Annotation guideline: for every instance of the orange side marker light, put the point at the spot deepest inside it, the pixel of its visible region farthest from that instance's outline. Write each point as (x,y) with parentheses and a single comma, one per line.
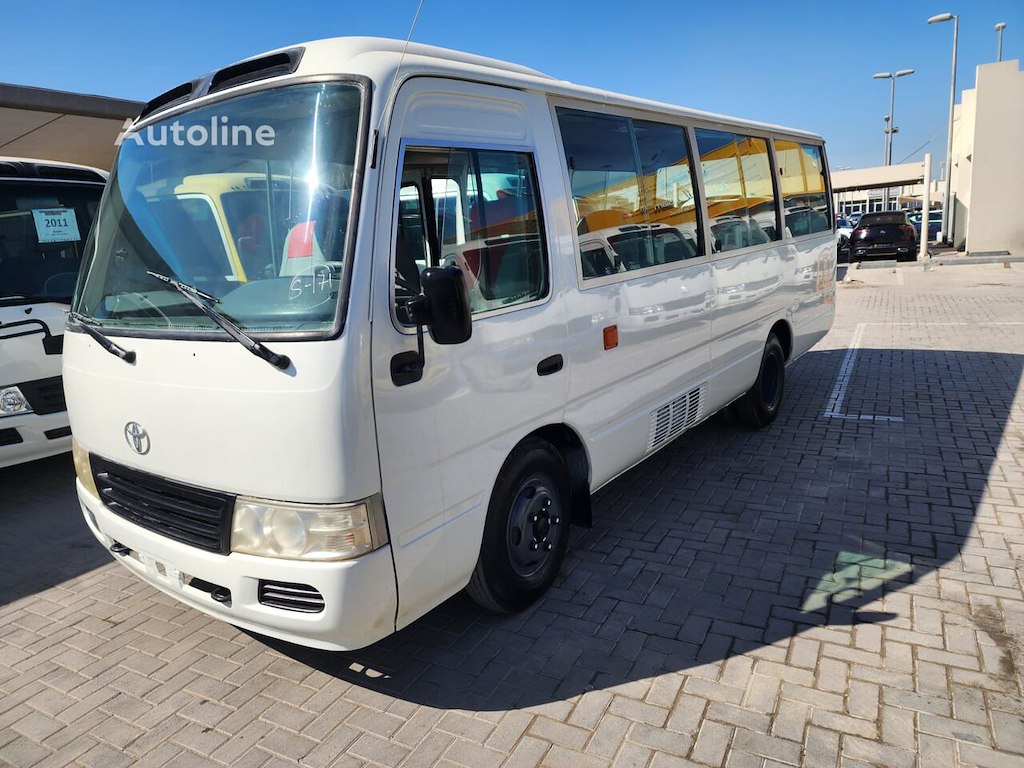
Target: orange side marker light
(611,337)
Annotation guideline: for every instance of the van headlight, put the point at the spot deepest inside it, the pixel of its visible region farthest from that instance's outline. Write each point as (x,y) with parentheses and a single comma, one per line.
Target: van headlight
(307,531)
(12,402)
(83,467)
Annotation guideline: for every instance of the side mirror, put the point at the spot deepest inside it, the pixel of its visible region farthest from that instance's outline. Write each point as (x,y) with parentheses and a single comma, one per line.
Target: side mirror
(443,306)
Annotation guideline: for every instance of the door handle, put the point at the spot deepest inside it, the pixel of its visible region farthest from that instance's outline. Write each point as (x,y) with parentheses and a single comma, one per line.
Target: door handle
(549,365)
(406,368)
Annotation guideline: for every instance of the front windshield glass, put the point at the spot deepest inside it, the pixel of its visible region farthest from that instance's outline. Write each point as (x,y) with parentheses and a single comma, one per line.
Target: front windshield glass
(247,200)
(43,226)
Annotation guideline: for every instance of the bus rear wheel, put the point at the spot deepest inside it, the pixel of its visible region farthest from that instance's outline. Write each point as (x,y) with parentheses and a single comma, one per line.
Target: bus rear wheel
(760,405)
(526,532)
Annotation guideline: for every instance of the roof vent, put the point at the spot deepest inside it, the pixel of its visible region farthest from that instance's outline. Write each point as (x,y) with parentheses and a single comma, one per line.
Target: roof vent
(260,68)
(174,96)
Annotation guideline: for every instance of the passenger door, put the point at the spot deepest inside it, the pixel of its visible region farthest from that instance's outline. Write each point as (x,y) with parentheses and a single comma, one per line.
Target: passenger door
(463,180)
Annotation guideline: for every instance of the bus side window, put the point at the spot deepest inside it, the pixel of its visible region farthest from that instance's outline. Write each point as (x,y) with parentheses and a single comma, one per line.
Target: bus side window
(477,210)
(802,182)
(632,184)
(739,189)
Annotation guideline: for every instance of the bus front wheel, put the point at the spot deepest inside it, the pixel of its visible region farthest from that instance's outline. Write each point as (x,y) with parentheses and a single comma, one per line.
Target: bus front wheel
(526,532)
(760,405)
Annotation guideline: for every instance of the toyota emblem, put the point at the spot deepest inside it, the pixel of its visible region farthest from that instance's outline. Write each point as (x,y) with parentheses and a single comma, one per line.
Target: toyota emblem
(137,437)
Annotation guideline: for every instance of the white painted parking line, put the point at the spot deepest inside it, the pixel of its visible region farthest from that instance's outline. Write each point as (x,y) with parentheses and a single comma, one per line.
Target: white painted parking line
(835,401)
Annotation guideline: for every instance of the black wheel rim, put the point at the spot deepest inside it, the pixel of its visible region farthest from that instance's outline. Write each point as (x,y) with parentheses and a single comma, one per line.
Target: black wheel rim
(535,523)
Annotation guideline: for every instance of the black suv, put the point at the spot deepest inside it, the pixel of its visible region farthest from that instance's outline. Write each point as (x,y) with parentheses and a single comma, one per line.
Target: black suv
(884,236)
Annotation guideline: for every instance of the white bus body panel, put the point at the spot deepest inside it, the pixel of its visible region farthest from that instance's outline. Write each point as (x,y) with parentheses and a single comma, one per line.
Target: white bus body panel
(23,359)
(220,418)
(443,439)
(664,333)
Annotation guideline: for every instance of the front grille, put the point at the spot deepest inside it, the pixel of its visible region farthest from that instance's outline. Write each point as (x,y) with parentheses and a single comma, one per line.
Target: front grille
(9,437)
(291,597)
(44,395)
(185,513)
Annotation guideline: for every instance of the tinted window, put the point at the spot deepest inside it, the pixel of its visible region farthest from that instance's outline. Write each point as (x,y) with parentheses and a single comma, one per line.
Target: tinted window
(668,190)
(874,219)
(605,187)
(738,184)
(802,183)
(43,227)
(635,207)
(475,209)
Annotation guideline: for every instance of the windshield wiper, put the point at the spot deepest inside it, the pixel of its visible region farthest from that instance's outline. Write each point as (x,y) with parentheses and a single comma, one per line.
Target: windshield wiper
(115,349)
(195,296)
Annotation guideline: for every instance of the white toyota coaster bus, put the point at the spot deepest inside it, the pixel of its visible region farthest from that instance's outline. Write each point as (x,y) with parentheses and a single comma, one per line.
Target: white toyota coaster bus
(361,326)
(46,209)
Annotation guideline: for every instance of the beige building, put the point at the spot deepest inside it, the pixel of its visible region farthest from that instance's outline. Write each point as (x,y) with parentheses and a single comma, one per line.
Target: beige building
(988,161)
(987,177)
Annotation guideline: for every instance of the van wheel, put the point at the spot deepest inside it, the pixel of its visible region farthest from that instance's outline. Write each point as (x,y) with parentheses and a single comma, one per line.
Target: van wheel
(760,405)
(526,532)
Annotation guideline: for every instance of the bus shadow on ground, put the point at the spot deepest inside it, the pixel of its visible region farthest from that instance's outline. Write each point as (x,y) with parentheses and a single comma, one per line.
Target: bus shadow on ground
(729,539)
(43,539)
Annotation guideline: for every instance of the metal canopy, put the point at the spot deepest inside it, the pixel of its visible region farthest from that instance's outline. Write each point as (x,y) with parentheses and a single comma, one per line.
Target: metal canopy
(880,177)
(69,127)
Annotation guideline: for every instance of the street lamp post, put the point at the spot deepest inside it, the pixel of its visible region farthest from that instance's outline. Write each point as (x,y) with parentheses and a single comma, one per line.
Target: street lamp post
(947,213)
(890,127)
(999,45)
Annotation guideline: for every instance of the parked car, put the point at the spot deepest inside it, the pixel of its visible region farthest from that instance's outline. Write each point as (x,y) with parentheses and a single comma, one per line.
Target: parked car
(844,228)
(934,223)
(854,218)
(884,236)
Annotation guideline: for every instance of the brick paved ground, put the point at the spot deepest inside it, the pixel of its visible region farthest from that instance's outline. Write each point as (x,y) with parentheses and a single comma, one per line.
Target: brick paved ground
(844,588)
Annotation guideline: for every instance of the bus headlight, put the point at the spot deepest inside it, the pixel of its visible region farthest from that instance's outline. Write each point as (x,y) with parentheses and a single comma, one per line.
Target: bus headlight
(83,467)
(12,402)
(307,531)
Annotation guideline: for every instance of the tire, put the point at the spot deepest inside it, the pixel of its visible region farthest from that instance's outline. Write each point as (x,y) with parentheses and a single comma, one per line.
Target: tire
(526,532)
(760,405)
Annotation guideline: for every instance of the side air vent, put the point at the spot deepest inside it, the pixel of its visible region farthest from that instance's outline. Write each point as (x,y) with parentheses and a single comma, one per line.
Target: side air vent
(260,68)
(9,437)
(672,419)
(45,396)
(291,597)
(169,98)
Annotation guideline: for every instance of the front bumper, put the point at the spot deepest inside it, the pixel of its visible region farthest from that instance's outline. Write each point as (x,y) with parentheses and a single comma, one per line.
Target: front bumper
(33,437)
(359,595)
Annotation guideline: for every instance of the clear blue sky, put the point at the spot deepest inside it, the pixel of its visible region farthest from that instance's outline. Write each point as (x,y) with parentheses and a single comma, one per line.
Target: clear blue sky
(803,64)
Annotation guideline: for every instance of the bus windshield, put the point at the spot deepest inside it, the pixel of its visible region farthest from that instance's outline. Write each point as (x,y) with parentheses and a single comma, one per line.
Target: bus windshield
(247,200)
(43,226)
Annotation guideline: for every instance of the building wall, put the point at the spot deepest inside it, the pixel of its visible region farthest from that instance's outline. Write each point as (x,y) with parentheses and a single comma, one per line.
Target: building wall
(995,194)
(964,121)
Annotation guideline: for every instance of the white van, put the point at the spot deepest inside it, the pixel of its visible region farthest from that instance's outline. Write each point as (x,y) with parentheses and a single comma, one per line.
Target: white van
(46,209)
(378,370)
